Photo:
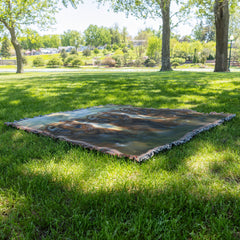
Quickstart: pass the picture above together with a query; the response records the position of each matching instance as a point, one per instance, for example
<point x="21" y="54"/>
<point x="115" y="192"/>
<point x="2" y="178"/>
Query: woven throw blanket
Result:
<point x="125" y="131"/>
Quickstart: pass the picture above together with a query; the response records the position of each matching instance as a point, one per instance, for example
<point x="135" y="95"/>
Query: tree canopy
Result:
<point x="71" y="38"/>
<point x="97" y="36"/>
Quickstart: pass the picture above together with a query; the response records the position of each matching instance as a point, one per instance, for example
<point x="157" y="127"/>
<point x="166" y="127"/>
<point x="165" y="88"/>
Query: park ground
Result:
<point x="53" y="190"/>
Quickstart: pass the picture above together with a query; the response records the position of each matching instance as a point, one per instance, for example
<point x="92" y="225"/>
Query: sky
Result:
<point x="88" y="13"/>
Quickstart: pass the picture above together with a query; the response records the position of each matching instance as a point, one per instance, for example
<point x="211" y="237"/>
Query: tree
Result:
<point x="154" y="48"/>
<point x="144" y="9"/>
<point x="124" y="35"/>
<point x="15" y="15"/>
<point x="97" y="36"/>
<point x="31" y="41"/>
<point x="115" y="35"/>
<point x="144" y="35"/>
<point x="221" y="10"/>
<point x="51" y="41"/>
<point x="165" y="9"/>
<point x="205" y="32"/>
<point x="72" y="38"/>
<point x="5" y="49"/>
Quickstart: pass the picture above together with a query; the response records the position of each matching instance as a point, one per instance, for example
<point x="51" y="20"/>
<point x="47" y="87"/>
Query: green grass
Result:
<point x="53" y="190"/>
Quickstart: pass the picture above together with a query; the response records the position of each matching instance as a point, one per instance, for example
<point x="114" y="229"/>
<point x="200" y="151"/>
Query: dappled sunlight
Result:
<point x="5" y="206"/>
<point x="51" y="188"/>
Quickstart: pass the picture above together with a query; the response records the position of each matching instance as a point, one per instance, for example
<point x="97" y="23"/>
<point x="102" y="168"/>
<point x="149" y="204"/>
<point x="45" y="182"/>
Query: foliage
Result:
<point x="192" y="50"/>
<point x="63" y="54"/>
<point x="138" y="62"/>
<point x="175" y="64"/>
<point x="127" y="59"/>
<point x="73" y="61"/>
<point x="205" y="33"/>
<point x="72" y="38"/>
<point x="150" y="62"/>
<point x="97" y="36"/>
<point x="38" y="62"/>
<point x="109" y="47"/>
<point x="140" y="50"/>
<point x="125" y="50"/>
<point x="154" y="48"/>
<point x="115" y="47"/>
<point x="86" y="52"/>
<point x="97" y="62"/>
<point x="54" y="62"/>
<point x="145" y="35"/>
<point x="68" y="60"/>
<point x="178" y="60"/>
<point x="118" y="52"/>
<point x="124" y="36"/>
<point x="109" y="62"/>
<point x="30" y="40"/>
<point x="105" y="51"/>
<point x="115" y="35"/>
<point x="18" y="14"/>
<point x="76" y="62"/>
<point x="5" y="49"/>
<point x="119" y="60"/>
<point x="51" y="41"/>
<point x="234" y="25"/>
<point x="96" y="50"/>
<point x="24" y="60"/>
<point x="74" y="51"/>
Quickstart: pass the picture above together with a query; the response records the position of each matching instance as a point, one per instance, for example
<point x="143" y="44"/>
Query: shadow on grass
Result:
<point x="43" y="206"/>
<point x="106" y="197"/>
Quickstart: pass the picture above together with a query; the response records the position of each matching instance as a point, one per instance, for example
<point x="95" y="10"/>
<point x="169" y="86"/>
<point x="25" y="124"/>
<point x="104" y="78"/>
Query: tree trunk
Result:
<point x="221" y="12"/>
<point x="17" y="48"/>
<point x="165" y="8"/>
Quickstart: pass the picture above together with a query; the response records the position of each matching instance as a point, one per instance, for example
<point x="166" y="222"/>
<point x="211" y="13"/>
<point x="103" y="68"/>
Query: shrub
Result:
<point x="203" y="59"/>
<point x="54" y="62"/>
<point x="38" y="62"/>
<point x="74" y="51"/>
<point x="118" y="52"/>
<point x="125" y="50"/>
<point x="73" y="61"/>
<point x="126" y="59"/>
<point x="96" y="50"/>
<point x="97" y="62"/>
<point x="150" y="62"/>
<point x="86" y="52"/>
<point x="131" y="46"/>
<point x="178" y="60"/>
<point x="109" y="48"/>
<point x="175" y="64"/>
<point x="105" y="52"/>
<point x="138" y="62"/>
<point x="76" y="62"/>
<point x="119" y="60"/>
<point x="109" y="61"/>
<point x="68" y="60"/>
<point x="63" y="54"/>
<point x="115" y="46"/>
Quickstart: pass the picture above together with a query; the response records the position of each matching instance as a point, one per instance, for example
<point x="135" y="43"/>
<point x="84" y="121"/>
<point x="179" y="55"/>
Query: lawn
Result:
<point x="53" y="190"/>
